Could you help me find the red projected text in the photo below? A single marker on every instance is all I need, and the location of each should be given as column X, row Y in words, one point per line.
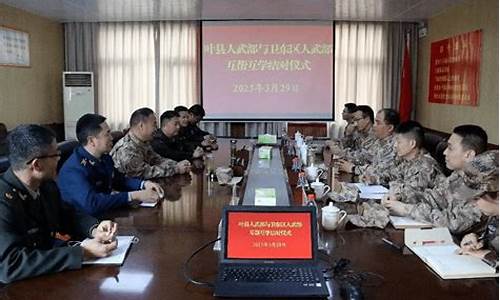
column 254, row 235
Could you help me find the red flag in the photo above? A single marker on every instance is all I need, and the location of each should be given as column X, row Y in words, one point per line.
column 405, row 97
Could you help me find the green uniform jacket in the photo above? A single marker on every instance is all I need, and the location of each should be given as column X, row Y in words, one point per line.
column 28, row 227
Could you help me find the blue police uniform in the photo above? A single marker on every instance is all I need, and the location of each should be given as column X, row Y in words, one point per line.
column 87, row 182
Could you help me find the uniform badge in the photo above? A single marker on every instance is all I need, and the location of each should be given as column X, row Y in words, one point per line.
column 22, row 196
column 83, row 162
column 9, row 196
column 92, row 162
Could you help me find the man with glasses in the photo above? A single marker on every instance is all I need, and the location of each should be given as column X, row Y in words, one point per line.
column 380, row 154
column 88, row 177
column 35, row 225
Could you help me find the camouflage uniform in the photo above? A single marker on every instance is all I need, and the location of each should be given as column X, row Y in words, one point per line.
column 407, row 175
column 448, row 203
column 138, row 159
column 348, row 140
column 379, row 153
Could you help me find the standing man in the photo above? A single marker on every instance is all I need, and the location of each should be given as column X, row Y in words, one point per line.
column 134, row 156
column 35, row 224
column 88, row 177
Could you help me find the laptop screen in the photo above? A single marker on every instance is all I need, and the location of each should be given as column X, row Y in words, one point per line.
column 269, row 235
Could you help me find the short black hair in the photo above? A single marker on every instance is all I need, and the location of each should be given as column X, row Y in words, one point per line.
column 167, row 115
column 197, row 110
column 180, row 108
column 88, row 125
column 27, row 142
column 413, row 130
column 391, row 117
column 350, row 107
column 473, row 137
column 140, row 115
column 367, row 112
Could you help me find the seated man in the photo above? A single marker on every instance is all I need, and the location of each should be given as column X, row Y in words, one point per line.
column 134, row 156
column 194, row 135
column 34, row 223
column 414, row 170
column 88, row 177
column 380, row 154
column 350, row 128
column 473, row 243
column 167, row 144
column 447, row 204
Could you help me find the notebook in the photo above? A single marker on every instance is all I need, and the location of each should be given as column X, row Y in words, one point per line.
column 269, row 252
column 405, row 222
column 435, row 247
column 118, row 255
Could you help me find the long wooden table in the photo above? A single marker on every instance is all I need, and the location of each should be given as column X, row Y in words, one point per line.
column 189, row 217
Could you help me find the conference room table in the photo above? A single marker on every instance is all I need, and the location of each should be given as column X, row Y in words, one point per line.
column 189, row 217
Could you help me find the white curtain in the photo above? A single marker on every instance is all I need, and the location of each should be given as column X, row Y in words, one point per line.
column 126, row 65
column 178, row 65
column 360, row 59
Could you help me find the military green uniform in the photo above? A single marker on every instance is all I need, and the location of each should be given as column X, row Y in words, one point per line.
column 136, row 158
column 30, row 229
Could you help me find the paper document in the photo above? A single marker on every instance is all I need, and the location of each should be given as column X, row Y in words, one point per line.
column 149, row 204
column 404, row 222
column 370, row 191
column 117, row 257
column 436, row 248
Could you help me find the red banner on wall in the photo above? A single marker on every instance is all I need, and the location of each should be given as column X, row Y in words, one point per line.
column 454, row 69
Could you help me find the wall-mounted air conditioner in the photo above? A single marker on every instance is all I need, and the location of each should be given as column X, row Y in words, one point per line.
column 78, row 90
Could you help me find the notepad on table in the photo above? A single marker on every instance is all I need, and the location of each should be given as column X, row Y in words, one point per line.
column 404, row 222
column 117, row 257
column 435, row 247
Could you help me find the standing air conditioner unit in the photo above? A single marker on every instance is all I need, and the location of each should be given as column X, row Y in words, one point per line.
column 78, row 89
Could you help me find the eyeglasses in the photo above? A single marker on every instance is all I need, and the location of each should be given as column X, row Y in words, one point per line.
column 58, row 154
column 358, row 119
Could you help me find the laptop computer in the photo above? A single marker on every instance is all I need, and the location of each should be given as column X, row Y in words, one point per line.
column 269, row 252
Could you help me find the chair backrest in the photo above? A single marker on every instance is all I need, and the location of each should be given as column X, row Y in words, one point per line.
column 435, row 144
column 66, row 149
column 4, row 164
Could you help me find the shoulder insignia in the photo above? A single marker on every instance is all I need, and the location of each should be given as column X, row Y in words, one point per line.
column 83, row 162
column 9, row 196
column 91, row 162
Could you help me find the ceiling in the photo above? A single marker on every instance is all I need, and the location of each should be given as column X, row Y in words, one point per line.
column 147, row 10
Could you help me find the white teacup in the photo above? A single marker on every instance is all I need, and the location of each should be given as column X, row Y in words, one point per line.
column 332, row 216
column 320, row 189
column 313, row 172
column 224, row 175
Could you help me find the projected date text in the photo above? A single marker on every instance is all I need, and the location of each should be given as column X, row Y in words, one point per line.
column 266, row 88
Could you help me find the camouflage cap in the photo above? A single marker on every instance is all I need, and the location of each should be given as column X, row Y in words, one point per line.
column 482, row 172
